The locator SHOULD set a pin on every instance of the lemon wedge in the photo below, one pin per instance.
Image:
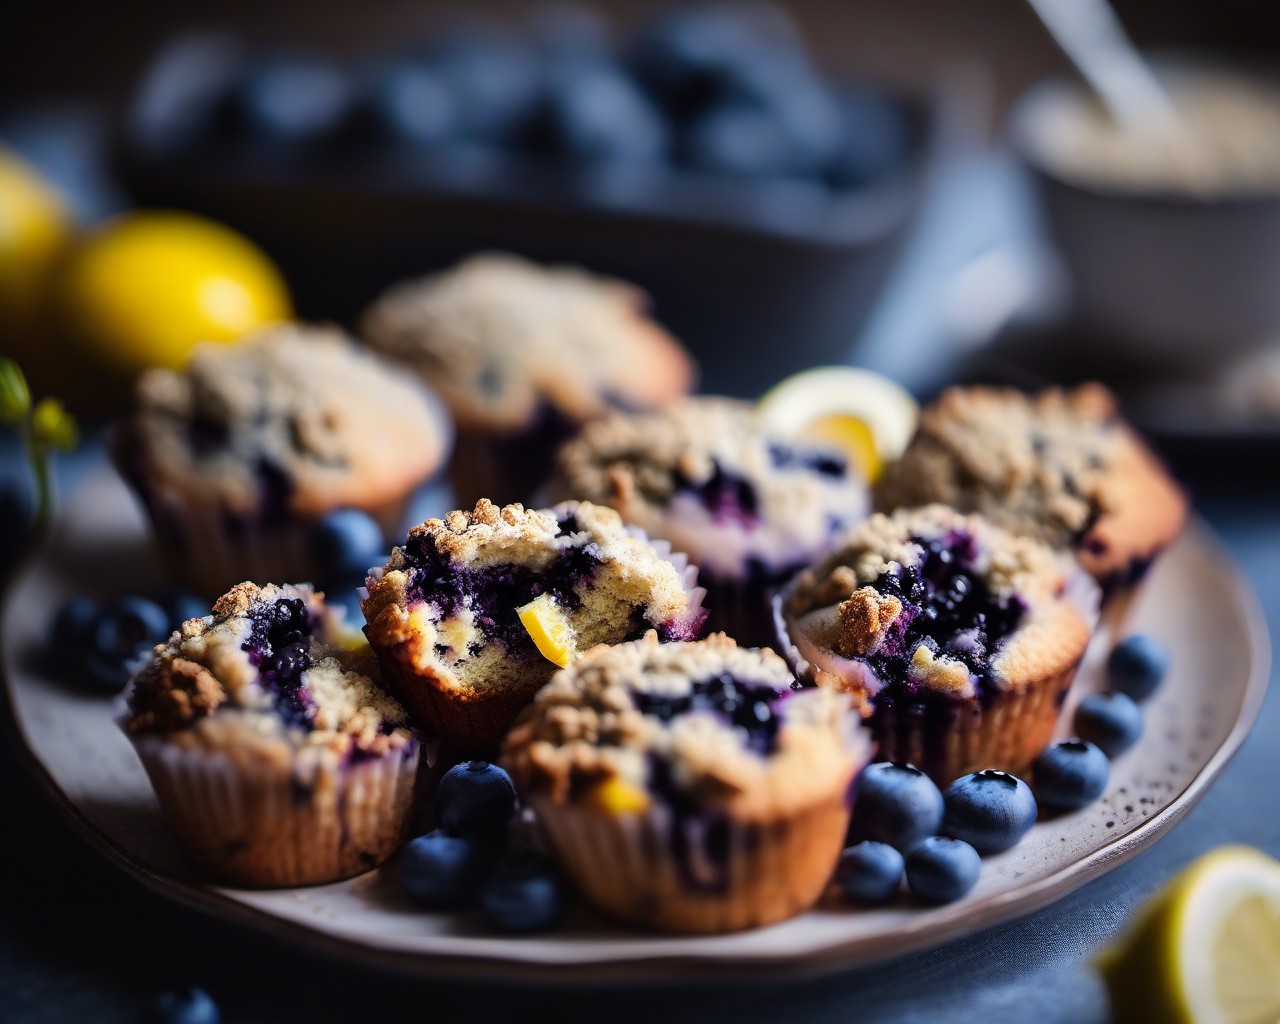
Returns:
(867, 416)
(1206, 950)
(549, 629)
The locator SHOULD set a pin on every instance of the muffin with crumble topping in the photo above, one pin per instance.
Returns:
(523, 354)
(959, 638)
(237, 456)
(1060, 466)
(749, 507)
(469, 613)
(277, 757)
(690, 787)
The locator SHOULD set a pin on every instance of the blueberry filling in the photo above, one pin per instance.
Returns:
(494, 592)
(750, 706)
(279, 648)
(947, 606)
(727, 496)
(823, 463)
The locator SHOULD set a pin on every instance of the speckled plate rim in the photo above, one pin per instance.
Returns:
(935, 929)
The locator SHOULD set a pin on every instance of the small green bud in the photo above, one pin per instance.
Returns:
(15, 396)
(54, 427)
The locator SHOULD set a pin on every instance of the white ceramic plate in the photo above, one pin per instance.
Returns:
(1197, 602)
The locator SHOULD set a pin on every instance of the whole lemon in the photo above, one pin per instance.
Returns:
(34, 229)
(145, 288)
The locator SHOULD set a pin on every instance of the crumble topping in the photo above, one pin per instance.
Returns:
(293, 416)
(216, 674)
(628, 711)
(500, 337)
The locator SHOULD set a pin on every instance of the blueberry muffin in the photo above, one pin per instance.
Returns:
(523, 354)
(238, 455)
(959, 638)
(1060, 466)
(445, 613)
(690, 787)
(277, 757)
(749, 507)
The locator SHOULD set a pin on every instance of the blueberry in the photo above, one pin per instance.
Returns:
(475, 799)
(1137, 665)
(185, 90)
(593, 113)
(526, 895)
(1070, 775)
(346, 598)
(942, 870)
(293, 98)
(442, 871)
(72, 628)
(345, 544)
(896, 804)
(1110, 721)
(869, 873)
(739, 139)
(990, 810)
(191, 1006)
(181, 605)
(493, 79)
(410, 103)
(123, 631)
(874, 139)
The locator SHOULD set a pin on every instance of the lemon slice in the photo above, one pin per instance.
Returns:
(549, 629)
(1207, 949)
(867, 416)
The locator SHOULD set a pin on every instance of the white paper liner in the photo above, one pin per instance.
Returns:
(259, 821)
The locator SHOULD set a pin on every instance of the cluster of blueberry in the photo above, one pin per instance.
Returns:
(718, 88)
(476, 856)
(98, 646)
(903, 825)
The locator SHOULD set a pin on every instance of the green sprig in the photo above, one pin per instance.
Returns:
(45, 428)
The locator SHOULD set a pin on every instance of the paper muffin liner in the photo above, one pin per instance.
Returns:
(709, 873)
(212, 550)
(949, 738)
(256, 821)
(471, 724)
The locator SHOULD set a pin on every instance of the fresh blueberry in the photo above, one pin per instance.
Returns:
(685, 55)
(874, 139)
(443, 872)
(191, 1006)
(1137, 665)
(1070, 775)
(293, 99)
(526, 895)
(345, 544)
(593, 113)
(494, 80)
(123, 631)
(181, 605)
(186, 90)
(475, 799)
(869, 873)
(896, 804)
(1110, 721)
(739, 139)
(409, 102)
(72, 628)
(942, 870)
(990, 810)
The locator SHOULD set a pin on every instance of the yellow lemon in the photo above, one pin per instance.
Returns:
(145, 288)
(867, 416)
(1206, 950)
(549, 629)
(35, 227)
(613, 796)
